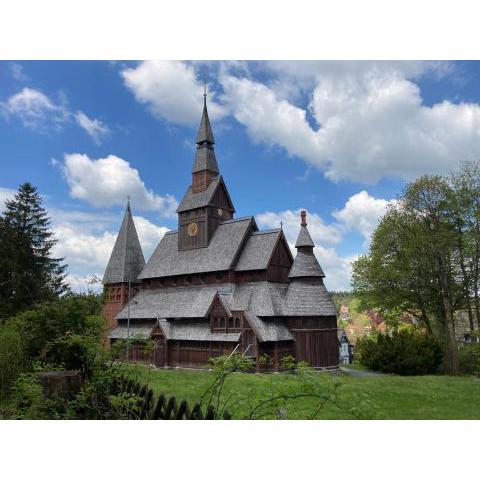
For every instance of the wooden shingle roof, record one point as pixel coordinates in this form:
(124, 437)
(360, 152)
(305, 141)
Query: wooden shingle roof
(126, 260)
(220, 255)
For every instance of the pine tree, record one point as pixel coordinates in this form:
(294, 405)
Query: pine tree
(28, 273)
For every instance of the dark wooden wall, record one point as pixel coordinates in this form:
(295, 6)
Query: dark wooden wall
(280, 263)
(195, 354)
(315, 340)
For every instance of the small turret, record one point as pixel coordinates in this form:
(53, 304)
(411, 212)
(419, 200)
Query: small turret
(305, 264)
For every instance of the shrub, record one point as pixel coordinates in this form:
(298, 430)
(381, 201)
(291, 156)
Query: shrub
(470, 359)
(406, 352)
(29, 402)
(74, 352)
(12, 357)
(72, 314)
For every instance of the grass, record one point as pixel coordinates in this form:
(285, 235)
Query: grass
(382, 397)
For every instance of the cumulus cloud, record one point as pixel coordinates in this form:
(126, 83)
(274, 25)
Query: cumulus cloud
(95, 128)
(5, 194)
(362, 212)
(35, 110)
(372, 124)
(359, 121)
(108, 181)
(171, 90)
(319, 230)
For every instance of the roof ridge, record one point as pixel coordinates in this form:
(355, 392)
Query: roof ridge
(240, 219)
(263, 232)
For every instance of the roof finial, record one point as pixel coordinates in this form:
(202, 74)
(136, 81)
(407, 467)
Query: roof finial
(281, 224)
(205, 89)
(303, 214)
(128, 201)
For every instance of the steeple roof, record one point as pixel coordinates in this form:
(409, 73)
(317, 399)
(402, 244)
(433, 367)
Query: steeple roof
(205, 133)
(126, 260)
(305, 263)
(304, 239)
(205, 155)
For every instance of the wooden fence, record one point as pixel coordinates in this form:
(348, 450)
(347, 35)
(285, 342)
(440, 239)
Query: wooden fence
(166, 408)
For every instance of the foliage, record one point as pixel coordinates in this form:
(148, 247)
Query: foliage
(405, 352)
(71, 314)
(470, 359)
(12, 357)
(223, 366)
(29, 402)
(424, 257)
(28, 273)
(104, 398)
(279, 401)
(75, 352)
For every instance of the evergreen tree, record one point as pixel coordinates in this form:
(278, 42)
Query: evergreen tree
(28, 273)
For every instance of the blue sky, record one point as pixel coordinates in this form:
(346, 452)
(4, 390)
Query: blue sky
(337, 138)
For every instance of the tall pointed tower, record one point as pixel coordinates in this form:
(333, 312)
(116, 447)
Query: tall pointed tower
(206, 202)
(124, 266)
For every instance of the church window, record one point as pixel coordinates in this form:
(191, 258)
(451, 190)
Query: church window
(219, 277)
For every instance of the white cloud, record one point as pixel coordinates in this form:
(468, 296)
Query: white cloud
(371, 117)
(108, 181)
(85, 283)
(5, 194)
(362, 212)
(319, 230)
(96, 129)
(338, 269)
(35, 110)
(171, 91)
(149, 234)
(18, 73)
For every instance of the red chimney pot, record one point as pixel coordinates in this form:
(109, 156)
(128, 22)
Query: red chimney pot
(303, 214)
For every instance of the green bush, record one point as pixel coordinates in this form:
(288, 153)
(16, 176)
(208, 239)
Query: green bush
(72, 314)
(30, 404)
(74, 352)
(470, 359)
(406, 352)
(12, 357)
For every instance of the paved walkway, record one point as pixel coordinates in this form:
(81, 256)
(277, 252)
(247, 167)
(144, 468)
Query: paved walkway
(361, 373)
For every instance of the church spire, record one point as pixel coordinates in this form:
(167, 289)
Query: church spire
(127, 260)
(305, 263)
(205, 133)
(205, 156)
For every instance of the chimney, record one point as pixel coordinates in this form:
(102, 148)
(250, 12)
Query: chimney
(303, 214)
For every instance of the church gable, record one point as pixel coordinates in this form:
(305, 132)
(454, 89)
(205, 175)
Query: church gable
(280, 261)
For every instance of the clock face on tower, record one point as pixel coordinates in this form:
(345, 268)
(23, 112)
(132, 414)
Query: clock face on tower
(192, 229)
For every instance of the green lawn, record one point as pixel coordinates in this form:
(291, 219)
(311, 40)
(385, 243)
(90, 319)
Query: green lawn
(382, 397)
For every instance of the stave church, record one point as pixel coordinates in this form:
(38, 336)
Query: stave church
(219, 285)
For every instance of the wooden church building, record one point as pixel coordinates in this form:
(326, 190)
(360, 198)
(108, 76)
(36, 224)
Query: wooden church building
(218, 284)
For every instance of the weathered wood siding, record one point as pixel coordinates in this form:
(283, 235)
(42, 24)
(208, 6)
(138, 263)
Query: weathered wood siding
(315, 340)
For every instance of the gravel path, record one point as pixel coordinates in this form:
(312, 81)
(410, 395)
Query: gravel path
(361, 373)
